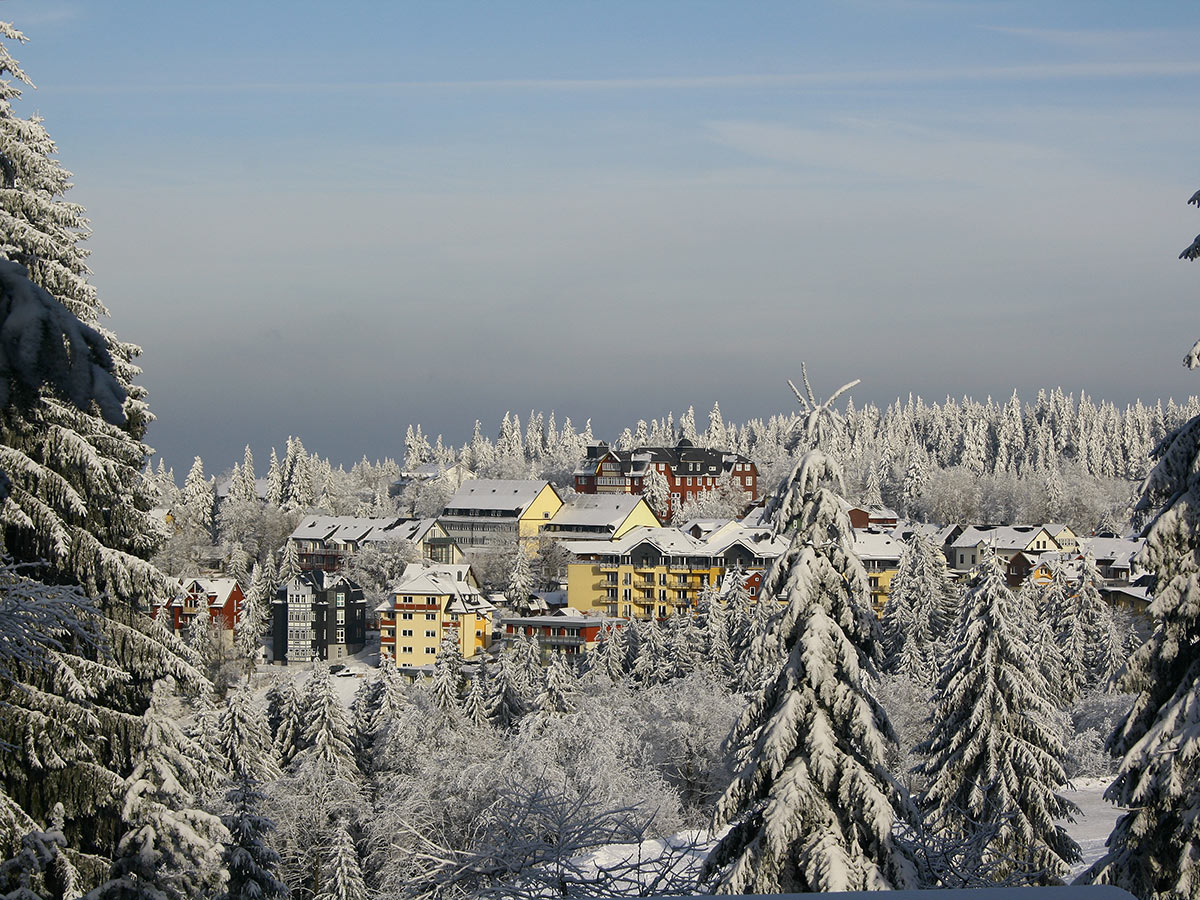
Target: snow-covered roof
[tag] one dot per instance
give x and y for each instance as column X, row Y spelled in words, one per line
column 441, row 580
column 1122, row 551
column 1001, row 537
column 757, row 517
column 217, row 590
column 360, row 529
column 876, row 545
column 412, row 530
column 570, row 618
column 594, row 510
column 496, row 493
column 676, row 542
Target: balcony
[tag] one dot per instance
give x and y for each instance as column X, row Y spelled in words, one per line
column 563, row 640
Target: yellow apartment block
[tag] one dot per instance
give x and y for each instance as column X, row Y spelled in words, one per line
column 429, row 603
column 656, row 572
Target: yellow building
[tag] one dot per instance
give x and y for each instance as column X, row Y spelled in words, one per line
column 656, row 572
column 600, row 517
column 496, row 512
column 429, row 603
column 880, row 555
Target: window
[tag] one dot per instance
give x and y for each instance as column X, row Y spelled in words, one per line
column 341, row 598
column 429, row 632
column 406, row 615
column 431, row 651
column 406, row 649
column 430, row 617
column 407, row 632
column 341, row 636
column 341, row 617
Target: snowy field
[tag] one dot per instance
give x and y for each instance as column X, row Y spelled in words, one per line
column 1095, row 820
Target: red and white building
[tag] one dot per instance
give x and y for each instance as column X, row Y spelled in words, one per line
column 688, row 469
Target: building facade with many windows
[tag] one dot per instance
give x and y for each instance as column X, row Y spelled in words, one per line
column 318, row 616
column 689, row 471
column 658, row 572
column 428, row 604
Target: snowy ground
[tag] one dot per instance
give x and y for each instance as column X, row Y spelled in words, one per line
column 1095, row 820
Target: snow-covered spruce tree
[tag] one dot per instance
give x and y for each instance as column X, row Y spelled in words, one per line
column 1105, row 652
column 652, row 665
column 993, row 760
column 41, row 867
column 447, row 682
column 1059, row 603
column 811, row 805
column 475, row 704
column 509, row 702
column 242, row 741
column 342, row 874
column 285, row 714
column 252, row 865
column 657, row 493
column 77, row 507
column 328, row 741
column 289, row 565
column 172, row 849
column 520, row 578
column 762, row 657
column 1154, row 850
column 719, row 656
column 557, row 696
column 253, row 622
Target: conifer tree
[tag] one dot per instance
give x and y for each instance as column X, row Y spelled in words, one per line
column 238, row 565
column 343, row 870
column 527, row 664
column 508, row 703
column 683, row 646
column 199, row 498
column 77, row 506
column 1060, row 601
column 520, row 578
column 762, row 657
column 242, row 741
column 557, row 696
column 289, row 565
column 328, row 743
column 811, row 805
column 1104, row 653
column 1154, row 850
column 41, row 867
column 172, row 849
column 475, row 706
column 256, row 614
column 657, row 492
column 252, row 865
column 651, row 666
column 719, row 656
column 286, row 712
column 447, row 675
column 993, row 761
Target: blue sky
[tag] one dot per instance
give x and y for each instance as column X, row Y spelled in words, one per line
column 342, row 219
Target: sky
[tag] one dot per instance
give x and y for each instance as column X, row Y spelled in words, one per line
column 333, row 220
